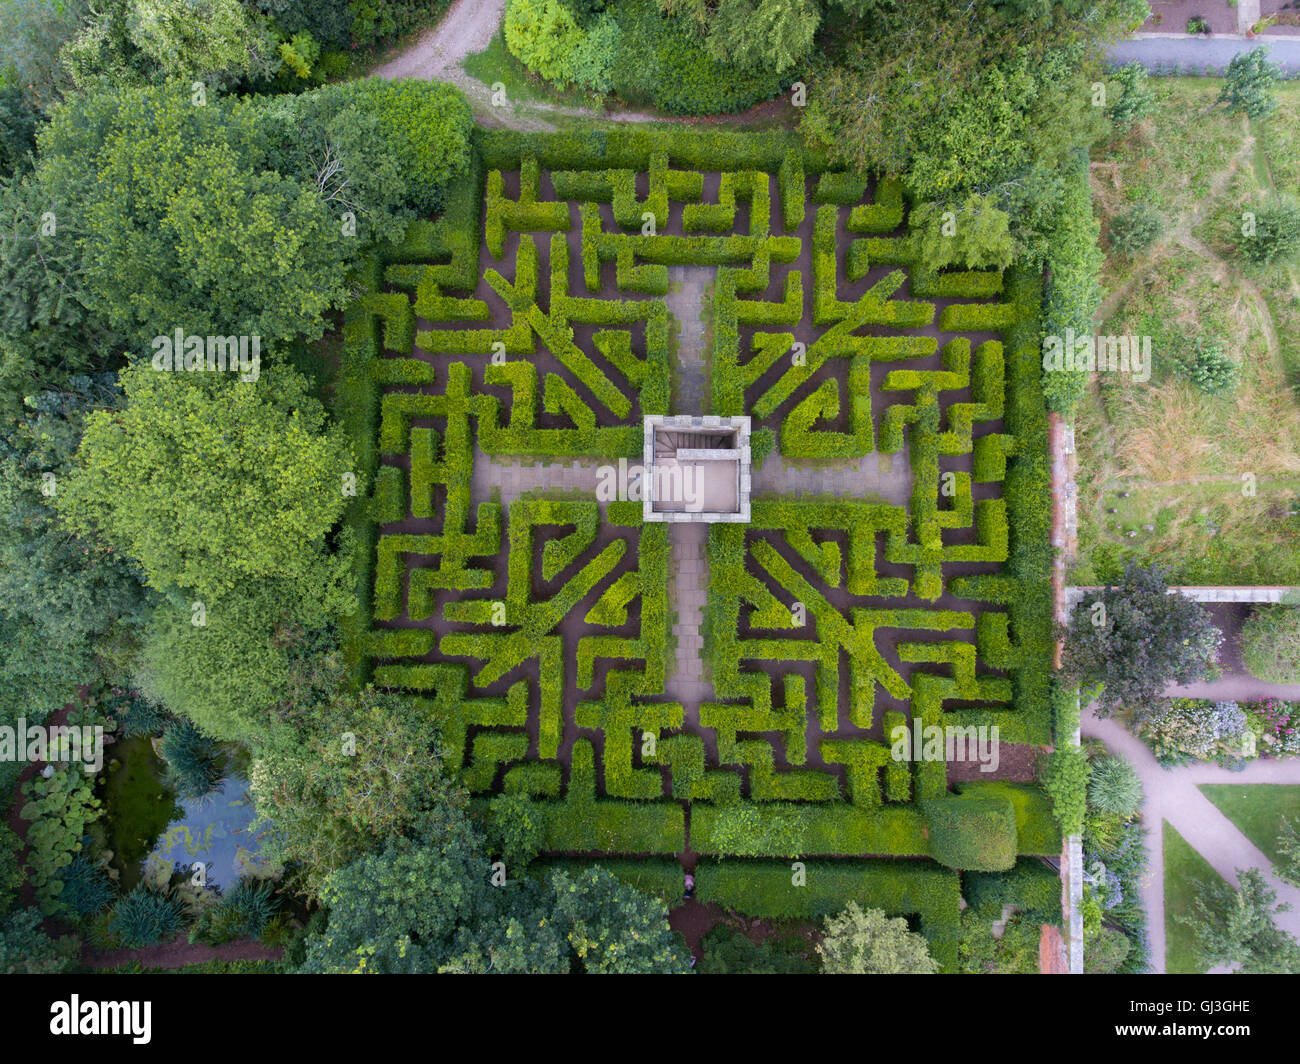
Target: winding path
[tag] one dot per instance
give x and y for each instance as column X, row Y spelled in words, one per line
column 1173, row 796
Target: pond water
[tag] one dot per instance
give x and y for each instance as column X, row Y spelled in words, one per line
column 149, row 827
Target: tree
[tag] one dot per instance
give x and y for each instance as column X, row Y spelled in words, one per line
column 184, row 220
column 773, row 34
column 367, row 770
column 49, row 330
column 32, row 32
column 613, row 928
column 972, row 234
column 1136, row 229
column 71, row 609
column 428, row 904
column 1248, row 83
column 960, row 100
column 1134, row 101
column 18, row 122
column 867, row 942
column 1237, row 927
column 140, row 41
column 1135, row 639
column 212, row 485
column 544, row 36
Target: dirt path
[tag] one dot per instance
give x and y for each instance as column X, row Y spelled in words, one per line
column 467, row 29
column 179, row 954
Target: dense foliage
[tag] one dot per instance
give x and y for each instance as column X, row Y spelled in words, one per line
column 1135, row 638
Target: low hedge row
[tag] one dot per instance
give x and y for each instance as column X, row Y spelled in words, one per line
column 1031, row 886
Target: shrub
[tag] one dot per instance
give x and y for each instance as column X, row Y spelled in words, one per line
column 665, row 63
column 1248, row 82
column 1114, row 787
column 1205, row 361
column 976, row 236
column 1106, row 952
column 1132, row 232
column 1192, row 729
column 86, row 887
column 145, row 918
column 11, row 869
column 544, row 36
column 731, row 952
column 1270, row 644
column 976, row 832
column 1276, row 235
column 194, row 761
column 243, row 912
column 868, row 942
column 1073, row 292
column 1136, row 100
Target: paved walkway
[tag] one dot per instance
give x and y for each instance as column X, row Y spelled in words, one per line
column 1173, row 797
column 688, row 592
column 1179, row 53
column 688, row 288
column 888, row 476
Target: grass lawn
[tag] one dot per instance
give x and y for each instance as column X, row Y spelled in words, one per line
column 1257, row 809
column 1202, row 484
column 1185, row 871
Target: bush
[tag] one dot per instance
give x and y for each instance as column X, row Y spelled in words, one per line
column 194, row 761
column 1114, row 787
column 1270, row 644
column 145, row 918
column 1248, row 82
column 1132, row 232
column 868, row 942
column 975, row 832
column 664, row 62
column 1136, row 100
column 1180, row 730
column 1276, row 236
column 730, row 952
column 1204, row 360
column 243, row 912
column 86, row 887
column 1106, row 952
column 1073, row 292
column 544, row 36
column 1135, row 639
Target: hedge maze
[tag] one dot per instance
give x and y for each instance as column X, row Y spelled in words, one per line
column 529, row 322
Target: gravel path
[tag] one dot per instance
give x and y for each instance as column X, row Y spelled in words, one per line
column 1173, row 797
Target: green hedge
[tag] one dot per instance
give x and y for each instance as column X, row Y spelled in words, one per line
column 901, row 888
column 972, row 831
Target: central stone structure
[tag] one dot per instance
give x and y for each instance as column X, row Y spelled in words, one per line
column 697, row 469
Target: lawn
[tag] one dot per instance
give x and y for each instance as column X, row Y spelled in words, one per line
column 1207, row 485
column 1257, row 809
column 1185, row 871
